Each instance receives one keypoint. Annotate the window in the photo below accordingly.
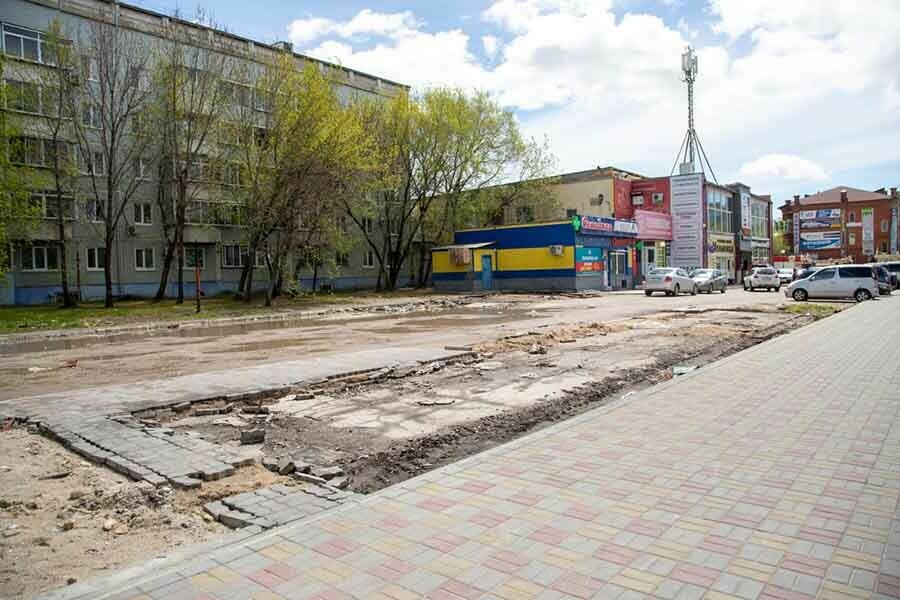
(96, 259)
(233, 256)
(367, 224)
(232, 175)
(884, 247)
(885, 226)
(657, 198)
(143, 259)
(213, 213)
(93, 211)
(342, 259)
(571, 212)
(854, 272)
(637, 199)
(90, 115)
(852, 218)
(92, 161)
(759, 254)
(143, 214)
(40, 258)
(369, 259)
(90, 69)
(852, 239)
(141, 169)
(23, 96)
(36, 152)
(718, 211)
(823, 274)
(759, 223)
(26, 44)
(524, 214)
(49, 204)
(194, 256)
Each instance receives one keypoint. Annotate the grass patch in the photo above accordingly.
(18, 319)
(816, 309)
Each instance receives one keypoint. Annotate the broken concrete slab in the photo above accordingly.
(185, 483)
(327, 472)
(253, 436)
(286, 466)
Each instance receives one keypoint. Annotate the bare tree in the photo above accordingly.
(114, 97)
(192, 82)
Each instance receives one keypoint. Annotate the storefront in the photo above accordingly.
(720, 255)
(654, 236)
(607, 247)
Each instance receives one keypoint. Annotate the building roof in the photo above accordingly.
(833, 196)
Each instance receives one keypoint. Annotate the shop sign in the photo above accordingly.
(820, 240)
(868, 231)
(625, 227)
(746, 213)
(653, 225)
(722, 246)
(823, 213)
(588, 261)
(895, 214)
(687, 221)
(821, 224)
(796, 234)
(588, 225)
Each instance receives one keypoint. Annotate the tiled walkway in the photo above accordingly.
(772, 474)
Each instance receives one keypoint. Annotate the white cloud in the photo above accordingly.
(490, 44)
(786, 166)
(816, 78)
(366, 23)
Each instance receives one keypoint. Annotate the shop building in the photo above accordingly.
(648, 203)
(842, 223)
(584, 253)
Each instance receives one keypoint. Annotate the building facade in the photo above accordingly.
(842, 223)
(215, 240)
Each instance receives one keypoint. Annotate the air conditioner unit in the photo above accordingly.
(556, 250)
(657, 198)
(132, 231)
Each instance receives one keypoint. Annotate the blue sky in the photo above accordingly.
(793, 97)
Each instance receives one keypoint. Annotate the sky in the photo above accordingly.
(792, 96)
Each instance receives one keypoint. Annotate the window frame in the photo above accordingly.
(196, 251)
(97, 255)
(368, 261)
(39, 38)
(46, 250)
(144, 253)
(143, 214)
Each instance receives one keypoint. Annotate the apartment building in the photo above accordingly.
(215, 238)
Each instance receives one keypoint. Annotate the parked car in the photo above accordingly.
(884, 280)
(762, 277)
(840, 281)
(805, 272)
(786, 275)
(710, 280)
(670, 280)
(894, 269)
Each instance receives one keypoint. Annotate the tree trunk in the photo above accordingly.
(61, 226)
(248, 293)
(166, 268)
(420, 276)
(179, 241)
(245, 272)
(107, 269)
(315, 280)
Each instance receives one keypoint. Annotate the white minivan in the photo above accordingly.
(839, 281)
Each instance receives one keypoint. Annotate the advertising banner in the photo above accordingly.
(822, 213)
(588, 225)
(746, 214)
(821, 224)
(868, 231)
(820, 240)
(589, 261)
(687, 221)
(895, 214)
(796, 234)
(653, 225)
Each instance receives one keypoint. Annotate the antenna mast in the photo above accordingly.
(691, 151)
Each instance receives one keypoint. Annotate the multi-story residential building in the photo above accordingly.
(215, 239)
(842, 223)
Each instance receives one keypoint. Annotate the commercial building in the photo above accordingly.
(842, 223)
(583, 253)
(215, 240)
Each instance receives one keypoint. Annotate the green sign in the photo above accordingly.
(639, 245)
(576, 223)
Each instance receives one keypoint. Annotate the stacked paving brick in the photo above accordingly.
(275, 505)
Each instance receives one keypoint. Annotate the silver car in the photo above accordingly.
(786, 275)
(762, 277)
(671, 280)
(710, 280)
(841, 281)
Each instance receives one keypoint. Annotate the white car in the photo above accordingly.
(786, 275)
(762, 277)
(670, 280)
(843, 281)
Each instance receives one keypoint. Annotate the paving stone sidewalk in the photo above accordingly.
(772, 474)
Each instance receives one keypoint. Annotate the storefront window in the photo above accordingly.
(760, 222)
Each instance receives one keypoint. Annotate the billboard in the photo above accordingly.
(653, 225)
(820, 240)
(894, 216)
(822, 213)
(588, 261)
(821, 224)
(868, 231)
(796, 221)
(687, 221)
(746, 214)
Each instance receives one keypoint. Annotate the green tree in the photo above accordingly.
(436, 152)
(17, 212)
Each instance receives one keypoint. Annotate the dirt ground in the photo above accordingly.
(386, 426)
(63, 519)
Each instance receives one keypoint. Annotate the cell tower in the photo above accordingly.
(691, 152)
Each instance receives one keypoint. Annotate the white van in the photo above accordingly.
(838, 281)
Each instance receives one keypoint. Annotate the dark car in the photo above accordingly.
(894, 269)
(885, 281)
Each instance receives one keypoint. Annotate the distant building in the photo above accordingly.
(842, 222)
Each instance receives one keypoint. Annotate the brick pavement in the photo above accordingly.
(770, 475)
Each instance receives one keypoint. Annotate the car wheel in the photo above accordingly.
(862, 295)
(752, 289)
(677, 290)
(648, 293)
(694, 291)
(723, 289)
(668, 293)
(778, 288)
(800, 295)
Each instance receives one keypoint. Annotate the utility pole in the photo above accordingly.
(691, 151)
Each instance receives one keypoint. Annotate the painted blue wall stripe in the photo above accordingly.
(520, 237)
